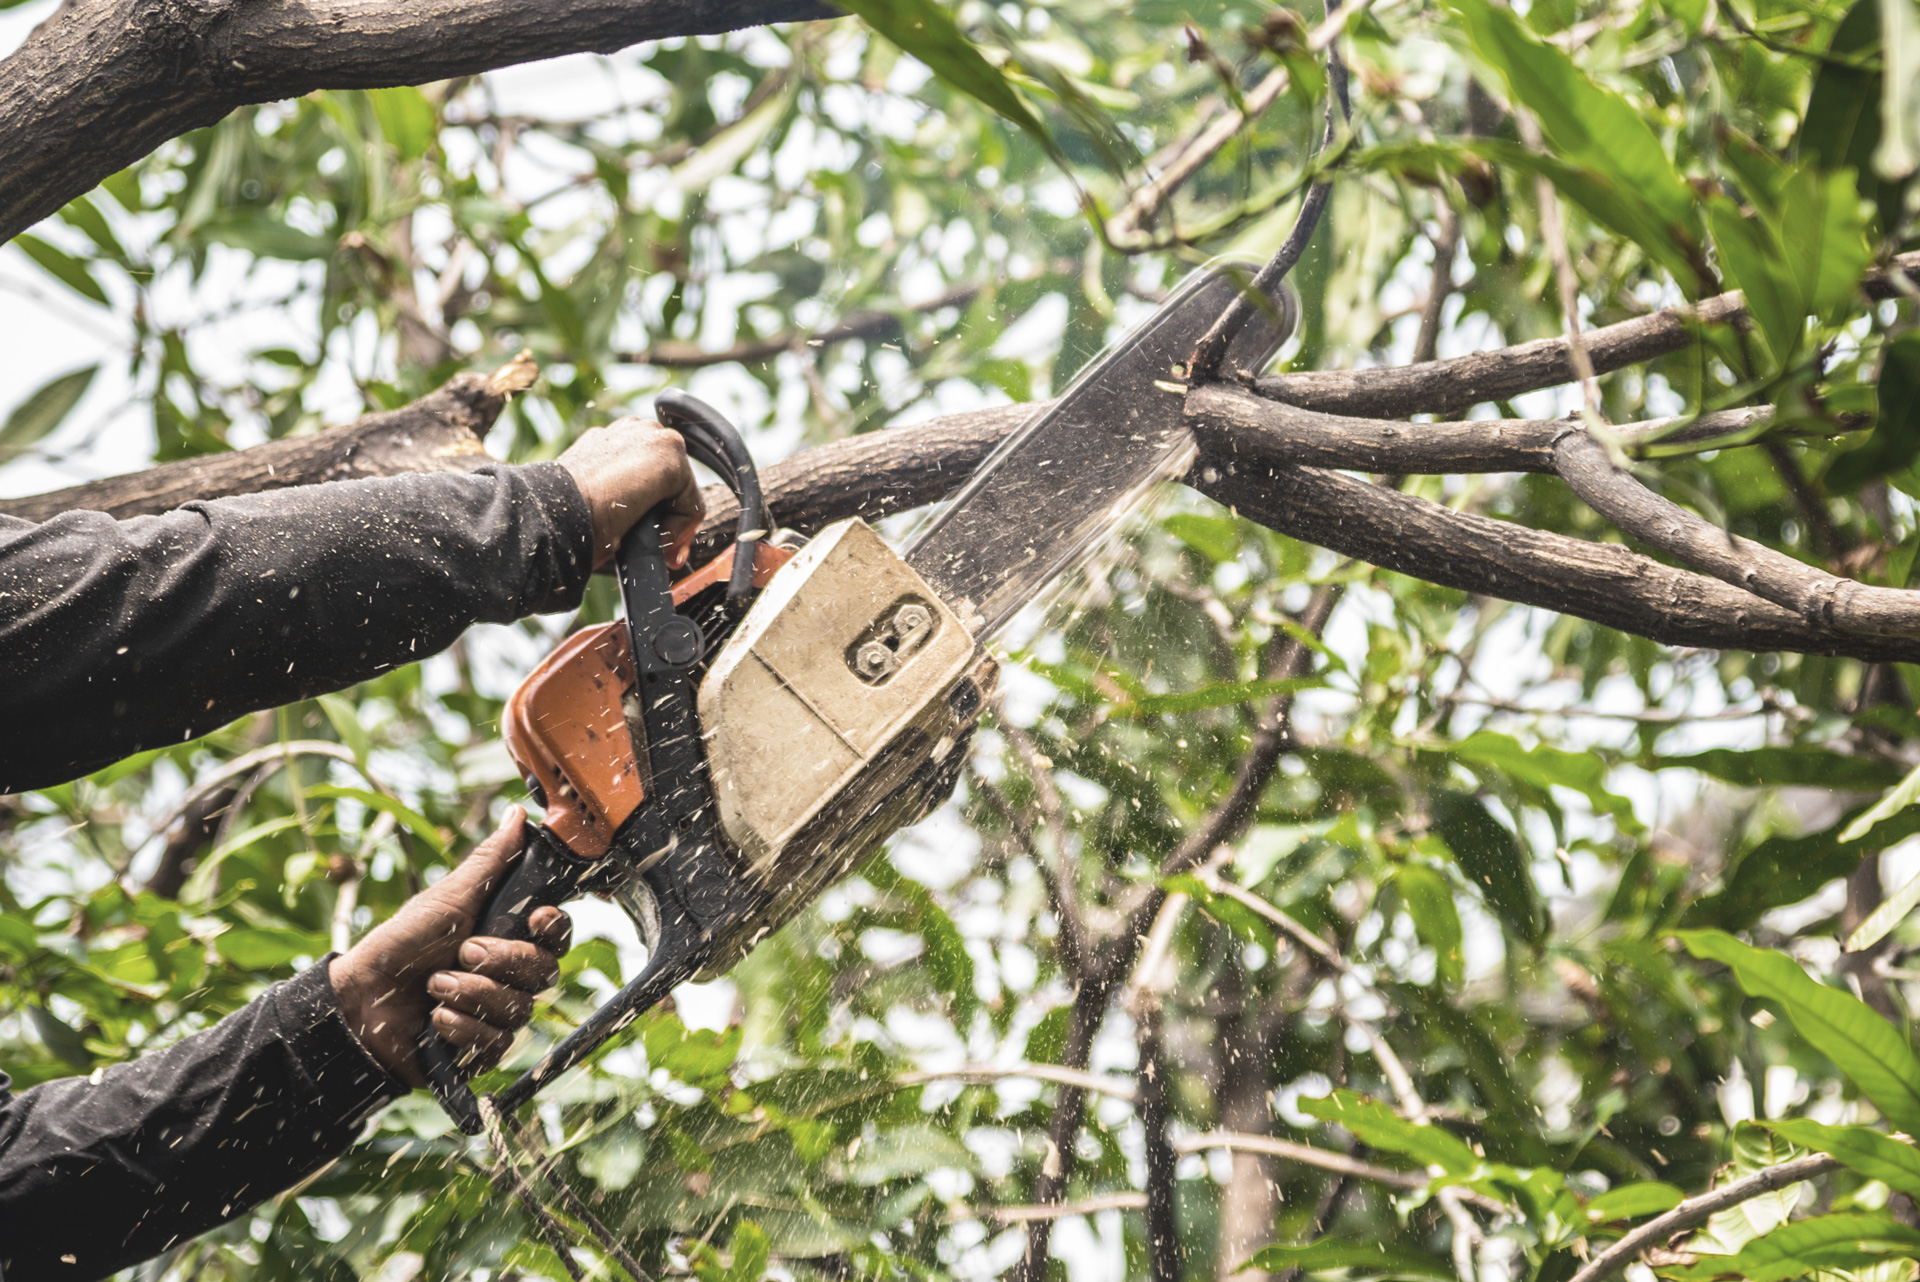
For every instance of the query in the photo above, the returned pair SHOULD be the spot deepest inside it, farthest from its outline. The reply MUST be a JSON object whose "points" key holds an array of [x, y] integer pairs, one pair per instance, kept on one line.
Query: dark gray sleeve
{"points": [[96, 1175], [117, 636]]}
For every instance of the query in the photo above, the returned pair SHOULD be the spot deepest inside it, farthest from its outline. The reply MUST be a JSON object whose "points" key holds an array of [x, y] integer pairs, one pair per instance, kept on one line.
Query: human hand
{"points": [[425, 962], [624, 471]]}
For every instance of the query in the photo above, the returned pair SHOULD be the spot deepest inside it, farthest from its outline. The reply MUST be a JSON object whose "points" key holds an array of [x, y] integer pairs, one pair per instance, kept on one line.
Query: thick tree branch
{"points": [[1599, 581], [103, 82], [1827, 602], [1224, 417], [440, 432]]}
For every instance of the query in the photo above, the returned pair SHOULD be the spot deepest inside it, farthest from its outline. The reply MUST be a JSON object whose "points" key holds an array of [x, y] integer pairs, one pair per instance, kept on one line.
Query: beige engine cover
{"points": [[846, 657]]}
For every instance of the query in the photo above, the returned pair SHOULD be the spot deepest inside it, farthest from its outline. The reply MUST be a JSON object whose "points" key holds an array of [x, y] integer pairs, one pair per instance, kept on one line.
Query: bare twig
{"points": [[1059, 1075], [1125, 229], [1553, 232], [866, 325]]}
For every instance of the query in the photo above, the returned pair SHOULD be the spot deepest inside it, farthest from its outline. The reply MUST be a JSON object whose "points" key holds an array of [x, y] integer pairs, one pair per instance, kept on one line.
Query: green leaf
{"points": [[722, 154], [1824, 1243], [1586, 124], [1214, 537], [926, 31], [1754, 263], [1429, 900], [1894, 443], [1224, 695], [1822, 219], [1492, 858], [406, 118], [1786, 768], [416, 823], [1884, 918], [1545, 767], [948, 960], [1898, 798], [82, 214], [1371, 1258], [1631, 1201], [259, 949], [67, 1043], [264, 236], [62, 266], [201, 884], [1378, 1126], [750, 1250], [1874, 1154], [45, 408], [1845, 1029], [697, 1056], [1621, 209], [1841, 128], [346, 723], [1785, 870], [1229, 912], [903, 1152]]}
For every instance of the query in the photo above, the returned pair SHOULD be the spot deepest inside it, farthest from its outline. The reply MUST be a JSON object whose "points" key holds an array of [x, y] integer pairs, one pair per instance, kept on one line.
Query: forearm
{"points": [[95, 1176], [117, 636]]}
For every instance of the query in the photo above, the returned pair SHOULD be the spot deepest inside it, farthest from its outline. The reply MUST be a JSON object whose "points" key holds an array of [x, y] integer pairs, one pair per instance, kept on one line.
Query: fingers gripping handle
{"points": [[545, 874]]}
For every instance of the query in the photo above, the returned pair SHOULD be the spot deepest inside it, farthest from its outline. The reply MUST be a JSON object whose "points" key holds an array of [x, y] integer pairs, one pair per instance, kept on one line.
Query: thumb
{"points": [[474, 877]]}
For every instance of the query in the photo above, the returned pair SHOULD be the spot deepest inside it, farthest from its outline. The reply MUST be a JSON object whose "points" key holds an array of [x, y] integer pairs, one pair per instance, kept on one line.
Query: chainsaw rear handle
{"points": [[664, 857], [546, 874]]}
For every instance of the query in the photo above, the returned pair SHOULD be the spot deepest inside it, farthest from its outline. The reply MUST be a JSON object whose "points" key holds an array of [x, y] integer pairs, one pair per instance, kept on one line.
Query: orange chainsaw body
{"points": [[567, 727]]}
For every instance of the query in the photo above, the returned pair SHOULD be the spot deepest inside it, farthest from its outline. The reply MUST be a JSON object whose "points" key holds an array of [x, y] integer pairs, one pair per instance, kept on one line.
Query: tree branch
{"points": [[1697, 1209], [1827, 602], [1226, 418], [1602, 582], [440, 432], [103, 82], [1460, 383]]}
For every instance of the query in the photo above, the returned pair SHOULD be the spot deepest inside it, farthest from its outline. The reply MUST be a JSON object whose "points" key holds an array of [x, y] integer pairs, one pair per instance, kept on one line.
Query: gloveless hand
{"points": [[624, 471], [426, 962]]}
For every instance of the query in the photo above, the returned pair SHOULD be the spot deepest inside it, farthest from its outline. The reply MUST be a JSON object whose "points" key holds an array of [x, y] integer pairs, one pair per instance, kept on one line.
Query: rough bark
{"points": [[103, 82], [1224, 417], [1603, 582], [1825, 601], [440, 432]]}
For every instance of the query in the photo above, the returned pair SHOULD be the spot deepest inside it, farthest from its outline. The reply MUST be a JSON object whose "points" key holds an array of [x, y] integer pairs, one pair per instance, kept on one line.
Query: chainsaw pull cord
{"points": [[712, 440]]}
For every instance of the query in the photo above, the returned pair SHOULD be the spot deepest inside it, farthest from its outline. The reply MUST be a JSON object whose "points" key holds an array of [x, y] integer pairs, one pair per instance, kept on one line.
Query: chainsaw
{"points": [[751, 734]]}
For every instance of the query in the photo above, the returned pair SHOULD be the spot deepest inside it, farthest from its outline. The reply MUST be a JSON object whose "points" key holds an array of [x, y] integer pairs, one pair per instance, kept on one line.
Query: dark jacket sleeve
{"points": [[96, 1175], [117, 636]]}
